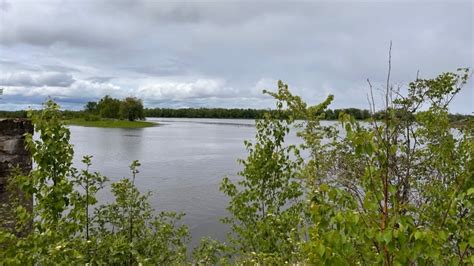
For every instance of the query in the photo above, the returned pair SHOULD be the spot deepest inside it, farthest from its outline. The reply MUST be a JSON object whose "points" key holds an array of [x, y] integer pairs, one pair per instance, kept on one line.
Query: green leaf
{"points": [[320, 248], [443, 235], [369, 148], [418, 235], [348, 127], [358, 149], [470, 191], [387, 236], [324, 187]]}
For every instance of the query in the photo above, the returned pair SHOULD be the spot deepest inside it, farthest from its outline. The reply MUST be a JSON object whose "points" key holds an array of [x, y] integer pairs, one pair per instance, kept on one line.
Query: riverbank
{"points": [[109, 123]]}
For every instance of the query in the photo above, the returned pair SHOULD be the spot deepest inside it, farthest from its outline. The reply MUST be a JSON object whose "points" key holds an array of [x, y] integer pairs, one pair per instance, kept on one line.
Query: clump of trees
{"points": [[397, 192], [130, 108]]}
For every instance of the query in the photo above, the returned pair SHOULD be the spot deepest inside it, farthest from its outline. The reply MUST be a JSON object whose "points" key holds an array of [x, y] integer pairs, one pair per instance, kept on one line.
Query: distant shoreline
{"points": [[78, 117], [109, 123]]}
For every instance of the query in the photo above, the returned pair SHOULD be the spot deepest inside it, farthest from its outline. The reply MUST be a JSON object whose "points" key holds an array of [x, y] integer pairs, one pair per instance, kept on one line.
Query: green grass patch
{"points": [[106, 123]]}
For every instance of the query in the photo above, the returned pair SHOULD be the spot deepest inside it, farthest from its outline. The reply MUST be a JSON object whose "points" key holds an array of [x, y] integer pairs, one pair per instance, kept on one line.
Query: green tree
{"points": [[91, 107], [109, 107], [131, 108], [266, 204], [127, 230], [399, 191]]}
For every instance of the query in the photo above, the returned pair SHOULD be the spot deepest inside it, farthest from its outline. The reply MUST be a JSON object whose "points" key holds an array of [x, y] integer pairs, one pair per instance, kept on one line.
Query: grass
{"points": [[109, 123]]}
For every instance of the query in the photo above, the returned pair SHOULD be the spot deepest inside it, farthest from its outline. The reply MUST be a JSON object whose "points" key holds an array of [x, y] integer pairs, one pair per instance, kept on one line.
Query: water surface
{"points": [[182, 163]]}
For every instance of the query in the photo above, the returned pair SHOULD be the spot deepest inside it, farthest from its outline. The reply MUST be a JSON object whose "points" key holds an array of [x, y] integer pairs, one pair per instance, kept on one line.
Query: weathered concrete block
{"points": [[13, 153]]}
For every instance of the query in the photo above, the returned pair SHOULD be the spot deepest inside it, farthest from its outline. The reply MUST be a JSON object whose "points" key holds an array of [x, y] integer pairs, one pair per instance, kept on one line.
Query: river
{"points": [[182, 163]]}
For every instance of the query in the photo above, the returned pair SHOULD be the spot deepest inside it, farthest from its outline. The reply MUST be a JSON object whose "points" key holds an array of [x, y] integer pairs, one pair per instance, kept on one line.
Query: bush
{"points": [[91, 117]]}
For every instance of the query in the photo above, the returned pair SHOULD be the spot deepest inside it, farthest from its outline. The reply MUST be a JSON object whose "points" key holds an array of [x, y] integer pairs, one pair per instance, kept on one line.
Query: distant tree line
{"points": [[132, 109], [205, 113], [242, 113], [13, 114], [329, 114]]}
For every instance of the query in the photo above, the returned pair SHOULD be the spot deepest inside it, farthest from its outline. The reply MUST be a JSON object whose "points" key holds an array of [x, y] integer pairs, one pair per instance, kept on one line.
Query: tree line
{"points": [[129, 108], [241, 113], [132, 109]]}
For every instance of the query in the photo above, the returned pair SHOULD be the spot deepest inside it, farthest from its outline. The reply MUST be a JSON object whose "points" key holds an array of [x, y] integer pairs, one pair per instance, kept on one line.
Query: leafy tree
{"points": [[109, 107], [134, 233], [399, 191], [91, 107], [266, 203], [131, 108]]}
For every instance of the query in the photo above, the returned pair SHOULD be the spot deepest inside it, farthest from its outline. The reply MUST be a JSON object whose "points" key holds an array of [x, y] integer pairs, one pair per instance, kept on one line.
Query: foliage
{"points": [[211, 252], [13, 114], [65, 226], [395, 191], [398, 191], [242, 113], [131, 108], [109, 107], [91, 117], [91, 107], [128, 225], [266, 203]]}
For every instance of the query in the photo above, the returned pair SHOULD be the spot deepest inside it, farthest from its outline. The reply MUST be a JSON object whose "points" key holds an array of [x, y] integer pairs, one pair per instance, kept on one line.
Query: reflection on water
{"points": [[217, 122]]}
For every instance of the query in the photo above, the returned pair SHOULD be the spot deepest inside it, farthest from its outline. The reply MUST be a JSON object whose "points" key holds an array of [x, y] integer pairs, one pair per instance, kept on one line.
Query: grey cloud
{"points": [[10, 65], [100, 79], [24, 79], [187, 12], [59, 68], [316, 47], [156, 70], [4, 6]]}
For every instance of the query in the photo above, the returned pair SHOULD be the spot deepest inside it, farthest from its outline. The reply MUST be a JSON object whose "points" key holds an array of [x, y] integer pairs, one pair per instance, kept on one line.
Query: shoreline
{"points": [[110, 123]]}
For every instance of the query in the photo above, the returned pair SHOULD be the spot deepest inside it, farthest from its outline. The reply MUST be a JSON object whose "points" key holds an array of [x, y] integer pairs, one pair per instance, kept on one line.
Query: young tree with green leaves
{"points": [[266, 204], [393, 192]]}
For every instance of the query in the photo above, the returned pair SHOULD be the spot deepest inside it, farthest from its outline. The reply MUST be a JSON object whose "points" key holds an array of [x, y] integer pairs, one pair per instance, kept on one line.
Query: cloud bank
{"points": [[222, 54]]}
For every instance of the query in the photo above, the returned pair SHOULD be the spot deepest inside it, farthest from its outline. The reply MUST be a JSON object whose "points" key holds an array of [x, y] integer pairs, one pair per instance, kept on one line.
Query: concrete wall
{"points": [[12, 154]]}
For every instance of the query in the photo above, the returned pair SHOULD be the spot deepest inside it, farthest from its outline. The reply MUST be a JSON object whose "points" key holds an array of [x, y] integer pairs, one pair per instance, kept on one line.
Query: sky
{"points": [[224, 53]]}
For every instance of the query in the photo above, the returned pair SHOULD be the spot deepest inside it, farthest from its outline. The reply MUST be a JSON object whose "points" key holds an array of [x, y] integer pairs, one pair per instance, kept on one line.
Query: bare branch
{"points": [[388, 75], [371, 95]]}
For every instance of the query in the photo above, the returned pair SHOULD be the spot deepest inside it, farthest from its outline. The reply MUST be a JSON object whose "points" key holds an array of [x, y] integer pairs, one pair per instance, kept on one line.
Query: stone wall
{"points": [[13, 154]]}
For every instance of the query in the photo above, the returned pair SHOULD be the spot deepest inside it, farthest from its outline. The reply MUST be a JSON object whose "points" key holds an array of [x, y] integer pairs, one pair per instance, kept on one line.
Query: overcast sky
{"points": [[223, 53]]}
